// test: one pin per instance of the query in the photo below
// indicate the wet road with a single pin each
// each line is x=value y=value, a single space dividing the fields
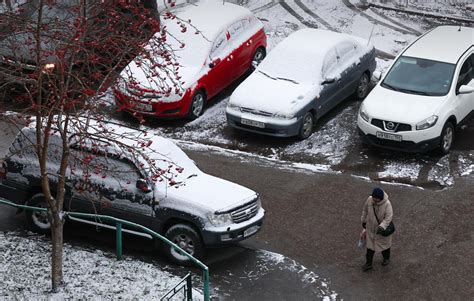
x=313 y=220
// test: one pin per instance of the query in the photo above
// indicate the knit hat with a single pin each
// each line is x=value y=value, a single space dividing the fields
x=378 y=193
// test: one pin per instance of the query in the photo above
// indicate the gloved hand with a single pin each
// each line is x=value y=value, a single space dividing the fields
x=379 y=230
x=363 y=225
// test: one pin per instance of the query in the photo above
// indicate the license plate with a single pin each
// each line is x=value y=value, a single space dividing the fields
x=143 y=107
x=388 y=136
x=254 y=123
x=251 y=230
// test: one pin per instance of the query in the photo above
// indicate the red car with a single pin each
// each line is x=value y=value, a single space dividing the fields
x=222 y=43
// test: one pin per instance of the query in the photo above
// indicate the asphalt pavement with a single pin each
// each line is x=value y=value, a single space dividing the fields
x=314 y=219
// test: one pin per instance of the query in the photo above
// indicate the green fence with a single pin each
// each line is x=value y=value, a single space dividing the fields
x=118 y=225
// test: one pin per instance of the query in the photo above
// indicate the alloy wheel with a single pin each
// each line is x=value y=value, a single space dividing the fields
x=184 y=242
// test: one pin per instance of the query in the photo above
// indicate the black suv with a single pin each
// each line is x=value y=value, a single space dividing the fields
x=193 y=209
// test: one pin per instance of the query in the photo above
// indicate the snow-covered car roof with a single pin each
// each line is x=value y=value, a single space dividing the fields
x=117 y=140
x=207 y=20
x=300 y=57
x=192 y=45
x=443 y=44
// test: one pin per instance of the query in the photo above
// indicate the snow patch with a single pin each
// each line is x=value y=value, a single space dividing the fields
x=88 y=274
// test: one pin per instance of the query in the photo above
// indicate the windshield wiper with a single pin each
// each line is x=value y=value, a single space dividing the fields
x=390 y=87
x=267 y=75
x=415 y=92
x=287 y=79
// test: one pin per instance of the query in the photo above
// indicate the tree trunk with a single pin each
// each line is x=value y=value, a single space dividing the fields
x=57 y=252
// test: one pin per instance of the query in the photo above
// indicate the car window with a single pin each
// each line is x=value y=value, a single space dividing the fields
x=220 y=45
x=466 y=74
x=237 y=28
x=115 y=173
x=345 y=52
x=330 y=63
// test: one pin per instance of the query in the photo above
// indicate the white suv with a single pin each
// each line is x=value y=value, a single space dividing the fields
x=426 y=94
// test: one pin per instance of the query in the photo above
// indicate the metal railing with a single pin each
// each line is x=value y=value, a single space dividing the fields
x=118 y=227
x=185 y=286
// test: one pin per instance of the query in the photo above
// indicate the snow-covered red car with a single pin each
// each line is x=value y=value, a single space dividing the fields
x=220 y=44
x=191 y=208
x=300 y=80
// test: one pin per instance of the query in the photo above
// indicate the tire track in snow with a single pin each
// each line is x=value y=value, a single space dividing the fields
x=352 y=7
x=296 y=15
x=379 y=53
x=315 y=16
x=265 y=7
x=395 y=22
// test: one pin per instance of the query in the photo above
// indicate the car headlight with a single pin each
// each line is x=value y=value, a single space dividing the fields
x=232 y=106
x=427 y=123
x=283 y=116
x=48 y=67
x=363 y=113
x=219 y=220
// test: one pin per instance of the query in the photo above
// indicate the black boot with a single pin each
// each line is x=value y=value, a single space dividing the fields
x=369 y=256
x=386 y=257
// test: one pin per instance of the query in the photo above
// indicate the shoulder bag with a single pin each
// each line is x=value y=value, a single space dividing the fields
x=390 y=228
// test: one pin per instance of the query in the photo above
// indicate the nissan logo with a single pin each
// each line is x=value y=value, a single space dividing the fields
x=390 y=125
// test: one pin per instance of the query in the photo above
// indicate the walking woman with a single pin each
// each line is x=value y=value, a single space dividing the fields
x=376 y=216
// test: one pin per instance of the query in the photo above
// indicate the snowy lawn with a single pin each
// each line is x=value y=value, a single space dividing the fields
x=25 y=271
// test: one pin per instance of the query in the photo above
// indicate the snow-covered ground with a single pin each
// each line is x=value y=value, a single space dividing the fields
x=25 y=271
x=334 y=145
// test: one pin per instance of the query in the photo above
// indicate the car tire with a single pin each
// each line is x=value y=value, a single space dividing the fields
x=186 y=237
x=197 y=105
x=258 y=57
x=446 y=138
x=39 y=222
x=306 y=128
x=362 y=86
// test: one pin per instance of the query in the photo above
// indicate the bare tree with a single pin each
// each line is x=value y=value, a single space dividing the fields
x=56 y=59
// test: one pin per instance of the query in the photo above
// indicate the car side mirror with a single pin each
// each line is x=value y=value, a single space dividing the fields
x=329 y=80
x=377 y=75
x=143 y=186
x=465 y=89
x=214 y=63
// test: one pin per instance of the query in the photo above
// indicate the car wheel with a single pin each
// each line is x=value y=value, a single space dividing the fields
x=306 y=126
x=197 y=105
x=38 y=220
x=187 y=238
x=363 y=86
x=446 y=138
x=258 y=57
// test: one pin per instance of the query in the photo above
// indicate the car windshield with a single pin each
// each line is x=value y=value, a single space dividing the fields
x=419 y=76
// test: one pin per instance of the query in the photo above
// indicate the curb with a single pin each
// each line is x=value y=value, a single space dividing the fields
x=424 y=14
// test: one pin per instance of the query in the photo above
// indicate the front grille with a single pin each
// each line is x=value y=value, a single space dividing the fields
x=255 y=112
x=399 y=127
x=245 y=212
